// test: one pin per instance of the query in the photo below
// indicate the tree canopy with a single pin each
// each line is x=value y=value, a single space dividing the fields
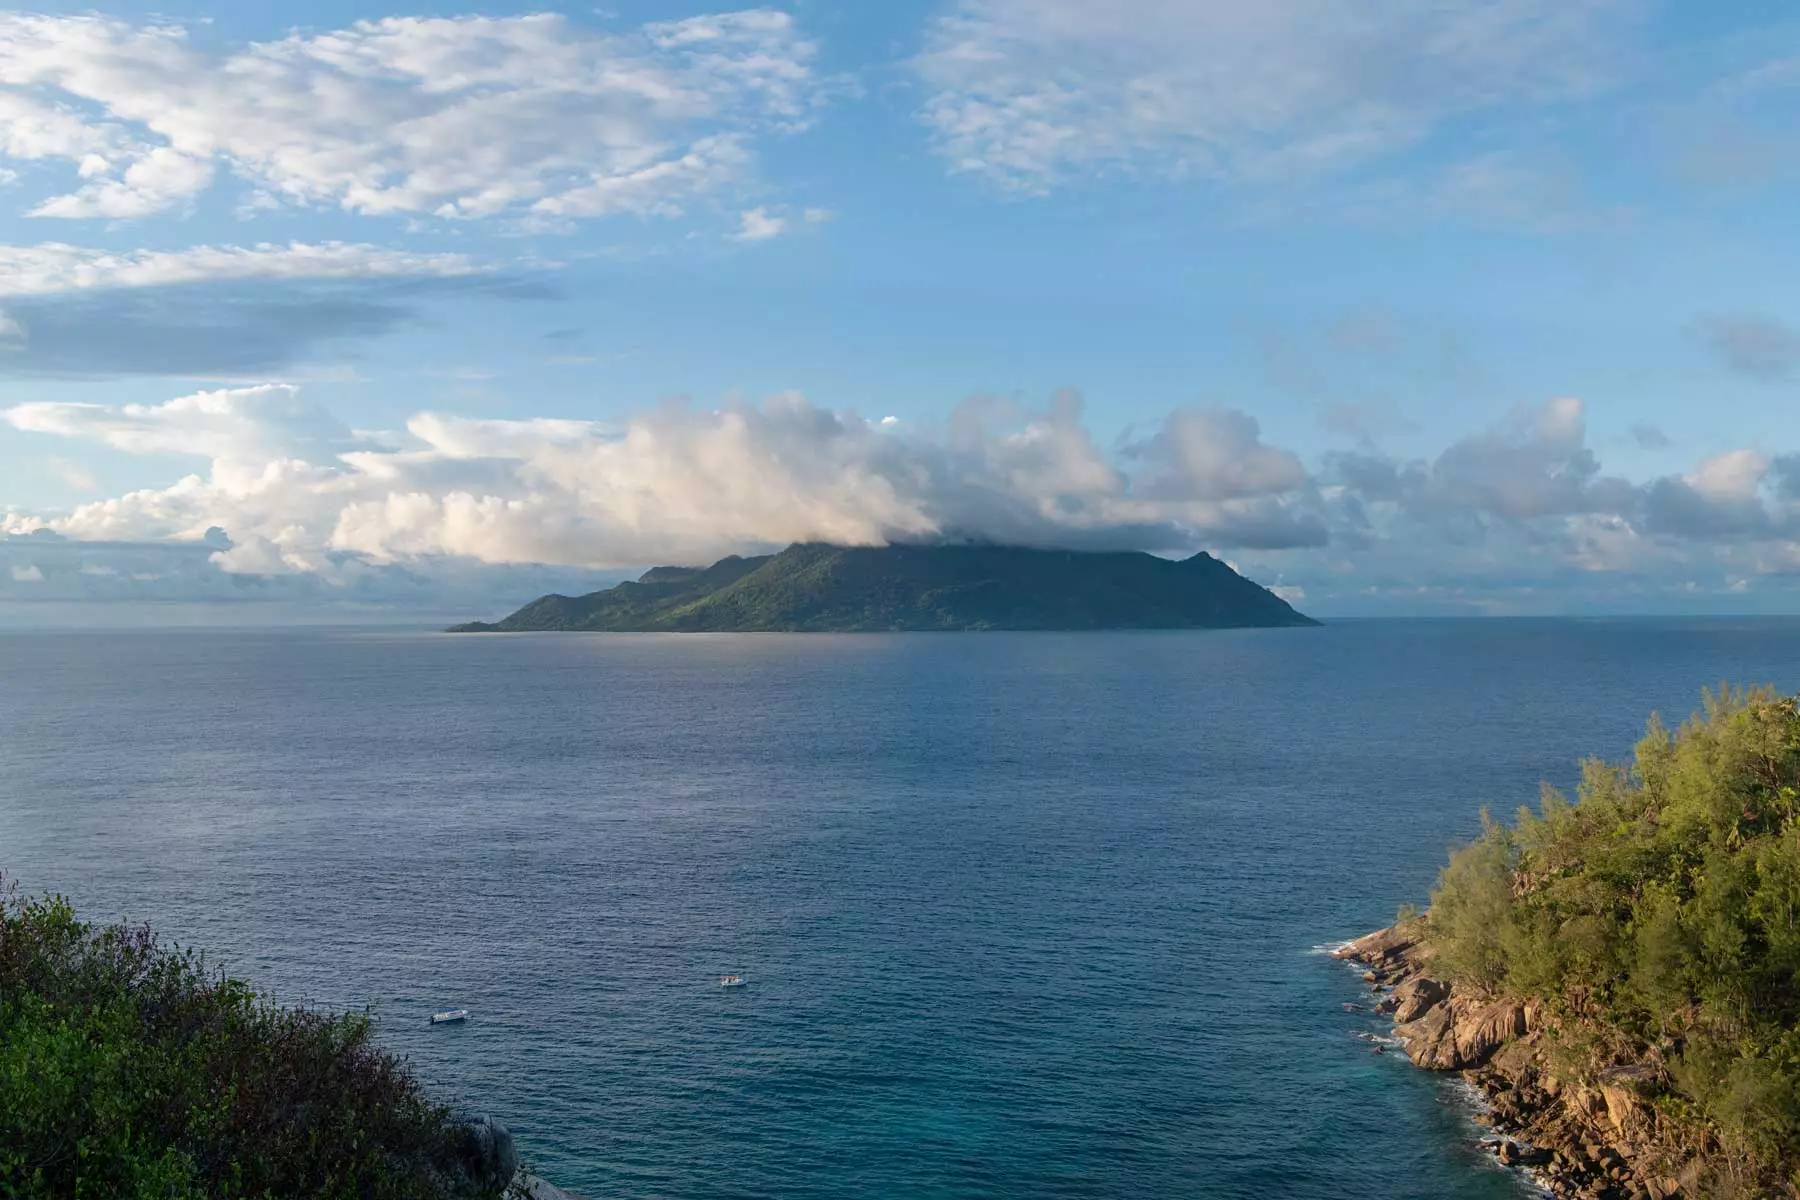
x=1656 y=917
x=127 y=1069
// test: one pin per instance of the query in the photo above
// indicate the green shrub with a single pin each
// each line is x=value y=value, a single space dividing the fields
x=1660 y=910
x=129 y=1070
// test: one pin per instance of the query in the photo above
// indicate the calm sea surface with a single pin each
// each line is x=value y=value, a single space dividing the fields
x=1023 y=915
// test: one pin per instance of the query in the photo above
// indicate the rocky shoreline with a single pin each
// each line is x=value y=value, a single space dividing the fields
x=1585 y=1134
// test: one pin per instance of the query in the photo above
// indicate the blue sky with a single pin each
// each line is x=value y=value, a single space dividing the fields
x=1403 y=306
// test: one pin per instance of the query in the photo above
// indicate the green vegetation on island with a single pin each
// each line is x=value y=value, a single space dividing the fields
x=1653 y=927
x=127 y=1069
x=819 y=588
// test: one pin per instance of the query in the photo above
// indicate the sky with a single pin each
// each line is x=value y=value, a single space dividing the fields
x=1403 y=307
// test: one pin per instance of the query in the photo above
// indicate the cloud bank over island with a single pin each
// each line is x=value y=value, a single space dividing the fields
x=284 y=491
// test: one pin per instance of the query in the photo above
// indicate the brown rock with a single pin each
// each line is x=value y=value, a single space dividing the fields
x=1620 y=1107
x=1416 y=996
x=1388 y=943
x=1516 y=1061
x=1478 y=1032
x=1429 y=1042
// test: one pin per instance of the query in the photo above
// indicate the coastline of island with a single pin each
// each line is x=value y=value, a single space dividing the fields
x=1586 y=1137
x=902 y=588
x=1619 y=976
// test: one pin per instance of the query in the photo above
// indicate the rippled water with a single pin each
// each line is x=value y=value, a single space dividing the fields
x=1023 y=915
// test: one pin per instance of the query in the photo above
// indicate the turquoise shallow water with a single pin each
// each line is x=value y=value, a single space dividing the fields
x=1023 y=915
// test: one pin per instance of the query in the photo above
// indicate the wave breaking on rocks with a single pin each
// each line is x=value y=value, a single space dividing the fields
x=1587 y=1135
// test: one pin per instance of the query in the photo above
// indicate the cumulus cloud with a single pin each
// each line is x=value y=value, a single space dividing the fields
x=765 y=222
x=1216 y=454
x=1525 y=509
x=1721 y=498
x=1758 y=347
x=1537 y=464
x=293 y=486
x=531 y=116
x=759 y=225
x=235 y=426
x=1030 y=93
x=286 y=497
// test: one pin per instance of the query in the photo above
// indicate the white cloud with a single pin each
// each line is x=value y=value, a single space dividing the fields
x=1734 y=475
x=1031 y=93
x=762 y=223
x=1537 y=464
x=27 y=574
x=1521 y=510
x=671 y=482
x=759 y=224
x=462 y=117
x=55 y=267
x=1217 y=454
x=247 y=426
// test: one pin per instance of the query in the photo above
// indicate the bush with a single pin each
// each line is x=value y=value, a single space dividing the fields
x=128 y=1070
x=1660 y=909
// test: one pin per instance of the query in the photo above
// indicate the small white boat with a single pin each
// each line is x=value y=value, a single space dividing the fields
x=730 y=981
x=449 y=1015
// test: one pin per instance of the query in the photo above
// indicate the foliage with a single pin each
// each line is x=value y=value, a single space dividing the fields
x=128 y=1070
x=1657 y=914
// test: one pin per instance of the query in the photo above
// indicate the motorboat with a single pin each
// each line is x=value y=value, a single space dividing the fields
x=449 y=1015
x=731 y=981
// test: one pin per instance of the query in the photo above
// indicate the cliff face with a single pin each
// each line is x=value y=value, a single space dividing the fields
x=1587 y=1130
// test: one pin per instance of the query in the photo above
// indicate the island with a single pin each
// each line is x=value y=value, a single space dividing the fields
x=817 y=588
x=1620 y=976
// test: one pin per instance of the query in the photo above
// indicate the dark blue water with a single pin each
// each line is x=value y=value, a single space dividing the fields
x=1023 y=915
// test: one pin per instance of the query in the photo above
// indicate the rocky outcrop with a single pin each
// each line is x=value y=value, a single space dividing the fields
x=1413 y=999
x=488 y=1159
x=486 y=1152
x=1460 y=1033
x=1592 y=1137
x=533 y=1188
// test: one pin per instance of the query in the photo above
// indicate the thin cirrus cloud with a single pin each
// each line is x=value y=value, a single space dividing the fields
x=52 y=268
x=1758 y=347
x=212 y=310
x=283 y=490
x=1030 y=94
x=535 y=117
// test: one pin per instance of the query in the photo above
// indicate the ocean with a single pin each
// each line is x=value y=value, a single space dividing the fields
x=1022 y=915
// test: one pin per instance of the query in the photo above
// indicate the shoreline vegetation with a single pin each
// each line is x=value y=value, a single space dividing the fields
x=1620 y=975
x=129 y=1069
x=815 y=588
